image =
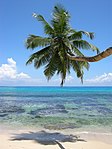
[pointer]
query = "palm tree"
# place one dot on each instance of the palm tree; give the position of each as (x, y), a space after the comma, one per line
(60, 49)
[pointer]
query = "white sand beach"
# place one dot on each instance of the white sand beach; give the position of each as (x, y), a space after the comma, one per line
(13, 139)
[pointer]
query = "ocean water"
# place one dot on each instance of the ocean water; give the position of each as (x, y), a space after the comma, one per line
(57, 107)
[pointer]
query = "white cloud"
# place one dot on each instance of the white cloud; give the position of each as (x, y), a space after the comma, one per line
(9, 71)
(11, 62)
(69, 79)
(103, 79)
(23, 76)
(58, 80)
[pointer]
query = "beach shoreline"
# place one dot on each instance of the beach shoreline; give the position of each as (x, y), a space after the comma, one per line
(11, 138)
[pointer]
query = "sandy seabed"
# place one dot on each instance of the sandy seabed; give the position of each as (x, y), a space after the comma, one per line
(11, 138)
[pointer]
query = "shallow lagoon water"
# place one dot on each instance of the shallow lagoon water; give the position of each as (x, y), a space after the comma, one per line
(57, 107)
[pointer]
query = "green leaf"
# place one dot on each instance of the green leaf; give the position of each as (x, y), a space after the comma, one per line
(82, 44)
(47, 27)
(51, 67)
(39, 54)
(88, 34)
(37, 41)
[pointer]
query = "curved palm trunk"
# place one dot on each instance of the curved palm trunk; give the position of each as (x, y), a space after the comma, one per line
(95, 58)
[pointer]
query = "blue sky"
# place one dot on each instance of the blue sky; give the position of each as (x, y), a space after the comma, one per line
(17, 23)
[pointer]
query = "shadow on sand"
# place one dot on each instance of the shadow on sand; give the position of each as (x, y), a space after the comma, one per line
(46, 138)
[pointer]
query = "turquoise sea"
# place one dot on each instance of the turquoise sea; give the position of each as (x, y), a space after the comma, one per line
(57, 107)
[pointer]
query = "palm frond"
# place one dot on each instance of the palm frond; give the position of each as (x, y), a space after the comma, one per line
(60, 20)
(51, 67)
(85, 65)
(60, 11)
(73, 50)
(75, 35)
(78, 69)
(88, 34)
(38, 55)
(42, 61)
(47, 27)
(37, 41)
(82, 44)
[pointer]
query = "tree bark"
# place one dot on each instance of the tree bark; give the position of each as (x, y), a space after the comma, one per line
(95, 58)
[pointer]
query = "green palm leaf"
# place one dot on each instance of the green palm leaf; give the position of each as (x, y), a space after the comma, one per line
(47, 27)
(77, 68)
(78, 34)
(36, 41)
(51, 67)
(39, 54)
(60, 21)
(75, 35)
(82, 44)
(88, 34)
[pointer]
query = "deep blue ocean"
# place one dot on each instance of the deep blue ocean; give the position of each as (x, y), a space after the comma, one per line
(57, 107)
